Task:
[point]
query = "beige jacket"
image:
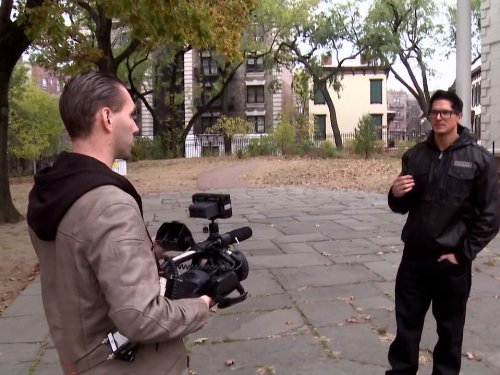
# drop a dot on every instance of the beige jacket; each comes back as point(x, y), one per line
point(100, 273)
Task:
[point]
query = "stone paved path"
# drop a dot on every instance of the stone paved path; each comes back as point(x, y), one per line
point(321, 285)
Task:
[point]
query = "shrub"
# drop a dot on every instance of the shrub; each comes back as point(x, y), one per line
point(325, 150)
point(147, 148)
point(364, 140)
point(262, 146)
point(284, 138)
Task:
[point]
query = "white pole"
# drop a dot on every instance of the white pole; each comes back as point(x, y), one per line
point(464, 58)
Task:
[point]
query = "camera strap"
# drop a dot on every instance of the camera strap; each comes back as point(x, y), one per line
point(224, 302)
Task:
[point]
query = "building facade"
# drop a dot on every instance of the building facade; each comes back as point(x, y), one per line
point(397, 103)
point(46, 79)
point(364, 91)
point(255, 93)
point(490, 74)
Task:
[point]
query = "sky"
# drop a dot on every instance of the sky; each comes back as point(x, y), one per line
point(445, 74)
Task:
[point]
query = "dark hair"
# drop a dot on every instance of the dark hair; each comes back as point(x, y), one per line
point(456, 103)
point(83, 96)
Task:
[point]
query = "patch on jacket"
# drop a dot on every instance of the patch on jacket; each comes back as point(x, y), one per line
point(462, 164)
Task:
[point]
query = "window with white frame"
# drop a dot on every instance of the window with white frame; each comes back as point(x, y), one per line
point(255, 94)
point(259, 123)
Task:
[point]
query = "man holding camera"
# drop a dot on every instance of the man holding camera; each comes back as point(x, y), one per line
point(449, 188)
point(98, 272)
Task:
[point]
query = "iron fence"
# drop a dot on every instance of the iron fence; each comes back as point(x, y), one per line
point(213, 144)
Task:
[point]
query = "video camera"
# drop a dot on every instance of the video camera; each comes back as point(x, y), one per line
point(209, 267)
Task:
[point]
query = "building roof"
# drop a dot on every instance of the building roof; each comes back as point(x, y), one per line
point(360, 69)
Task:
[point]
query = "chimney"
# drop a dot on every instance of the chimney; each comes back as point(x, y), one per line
point(326, 59)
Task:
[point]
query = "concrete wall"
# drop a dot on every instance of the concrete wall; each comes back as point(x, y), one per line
point(490, 74)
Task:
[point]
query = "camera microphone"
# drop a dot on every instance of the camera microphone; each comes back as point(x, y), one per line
point(237, 235)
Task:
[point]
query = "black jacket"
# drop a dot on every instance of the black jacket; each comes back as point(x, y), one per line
point(454, 205)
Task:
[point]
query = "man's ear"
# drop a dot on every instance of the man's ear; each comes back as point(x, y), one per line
point(105, 117)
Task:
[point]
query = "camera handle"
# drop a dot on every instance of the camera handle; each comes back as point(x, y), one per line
point(212, 230)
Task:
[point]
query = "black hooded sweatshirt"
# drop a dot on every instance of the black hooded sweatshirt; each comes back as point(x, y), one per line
point(57, 187)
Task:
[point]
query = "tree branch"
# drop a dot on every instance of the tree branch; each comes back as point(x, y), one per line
point(91, 11)
point(127, 52)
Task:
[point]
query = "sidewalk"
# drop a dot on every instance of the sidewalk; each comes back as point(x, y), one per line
point(322, 270)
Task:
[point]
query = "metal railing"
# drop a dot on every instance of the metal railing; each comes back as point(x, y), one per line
point(213, 144)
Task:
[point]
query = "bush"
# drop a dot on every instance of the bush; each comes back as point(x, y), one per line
point(262, 146)
point(147, 149)
point(364, 140)
point(402, 146)
point(284, 138)
point(325, 150)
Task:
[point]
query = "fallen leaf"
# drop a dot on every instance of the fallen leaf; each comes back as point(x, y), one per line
point(200, 340)
point(230, 362)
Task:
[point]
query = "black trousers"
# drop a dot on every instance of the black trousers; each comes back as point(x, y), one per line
point(447, 286)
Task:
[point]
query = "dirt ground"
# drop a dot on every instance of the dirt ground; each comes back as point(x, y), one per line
point(18, 264)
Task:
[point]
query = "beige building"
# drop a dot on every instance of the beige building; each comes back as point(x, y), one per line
point(364, 91)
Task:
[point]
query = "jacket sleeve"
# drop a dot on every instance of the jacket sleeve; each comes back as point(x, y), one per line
point(125, 267)
point(486, 223)
point(402, 204)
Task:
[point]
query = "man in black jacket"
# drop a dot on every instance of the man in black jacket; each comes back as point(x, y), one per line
point(449, 188)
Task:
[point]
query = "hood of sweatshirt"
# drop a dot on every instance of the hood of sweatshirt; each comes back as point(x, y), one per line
point(57, 187)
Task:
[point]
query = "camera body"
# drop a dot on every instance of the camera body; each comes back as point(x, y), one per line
point(209, 267)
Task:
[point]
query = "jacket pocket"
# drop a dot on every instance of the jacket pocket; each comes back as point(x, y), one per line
point(460, 182)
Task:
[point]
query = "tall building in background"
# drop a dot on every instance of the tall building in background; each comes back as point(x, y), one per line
point(251, 94)
point(46, 79)
point(490, 74)
point(397, 101)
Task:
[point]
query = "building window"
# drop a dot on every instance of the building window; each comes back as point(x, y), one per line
point(45, 83)
point(255, 94)
point(259, 123)
point(477, 126)
point(209, 66)
point(319, 98)
point(207, 123)
point(377, 119)
point(375, 91)
point(255, 64)
point(319, 127)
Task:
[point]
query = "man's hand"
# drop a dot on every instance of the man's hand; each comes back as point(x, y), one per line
point(208, 300)
point(402, 185)
point(449, 257)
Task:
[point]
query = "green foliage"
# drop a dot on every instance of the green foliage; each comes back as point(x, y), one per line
point(284, 138)
point(325, 150)
point(261, 147)
point(302, 89)
point(147, 149)
point(230, 126)
point(35, 127)
point(408, 32)
point(364, 141)
point(313, 27)
point(402, 146)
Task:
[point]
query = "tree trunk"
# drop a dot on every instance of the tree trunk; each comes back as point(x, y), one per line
point(228, 146)
point(333, 118)
point(8, 213)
